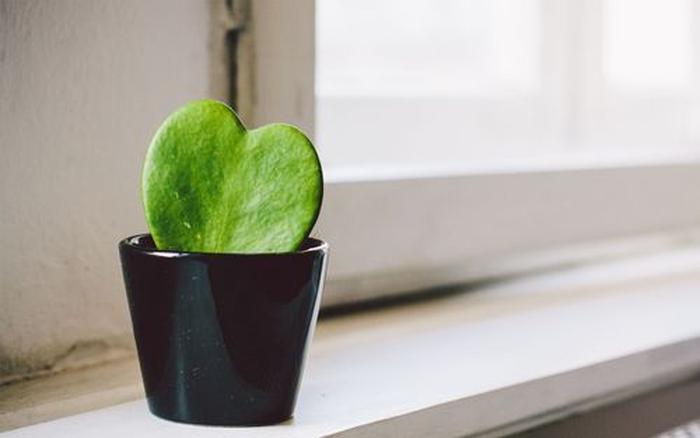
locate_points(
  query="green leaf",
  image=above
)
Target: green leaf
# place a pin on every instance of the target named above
(211, 185)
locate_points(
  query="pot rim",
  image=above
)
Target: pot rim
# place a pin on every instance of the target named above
(133, 243)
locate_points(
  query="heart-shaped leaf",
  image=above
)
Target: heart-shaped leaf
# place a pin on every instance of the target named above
(210, 185)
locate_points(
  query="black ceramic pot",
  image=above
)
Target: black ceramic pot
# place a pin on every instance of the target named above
(221, 338)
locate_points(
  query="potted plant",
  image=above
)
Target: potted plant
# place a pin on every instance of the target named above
(224, 291)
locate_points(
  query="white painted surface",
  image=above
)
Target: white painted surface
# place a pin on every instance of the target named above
(283, 63)
(83, 87)
(475, 361)
(391, 235)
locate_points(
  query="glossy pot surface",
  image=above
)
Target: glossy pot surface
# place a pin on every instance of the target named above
(222, 338)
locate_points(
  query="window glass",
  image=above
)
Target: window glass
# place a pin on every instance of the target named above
(648, 45)
(408, 84)
(409, 49)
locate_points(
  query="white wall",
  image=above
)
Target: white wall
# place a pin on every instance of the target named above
(83, 86)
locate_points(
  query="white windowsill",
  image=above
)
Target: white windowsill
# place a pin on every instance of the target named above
(493, 359)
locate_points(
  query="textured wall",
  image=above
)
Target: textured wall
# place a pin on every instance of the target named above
(83, 86)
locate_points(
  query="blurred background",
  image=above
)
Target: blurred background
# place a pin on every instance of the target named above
(493, 84)
(456, 137)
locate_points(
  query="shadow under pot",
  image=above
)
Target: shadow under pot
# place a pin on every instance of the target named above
(222, 338)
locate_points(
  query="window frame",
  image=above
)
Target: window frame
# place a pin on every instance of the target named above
(391, 234)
